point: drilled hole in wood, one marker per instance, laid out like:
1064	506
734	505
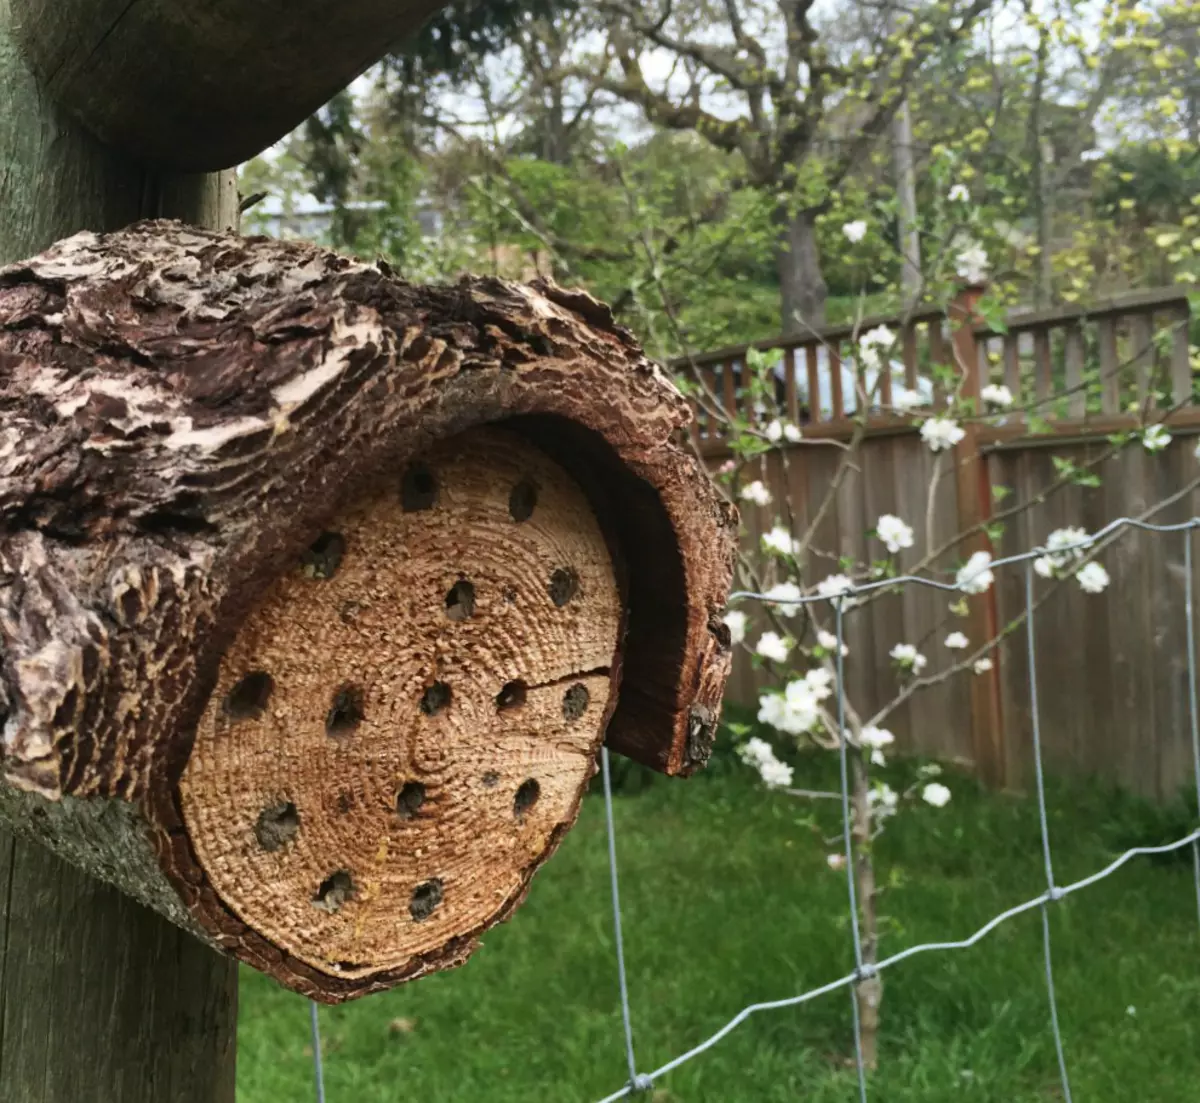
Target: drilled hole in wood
522	501
575	701
460	600
564	585
425	898
511	695
435	698
491	779
324	557
276	826
409	799
334	891
345	713
248	698
418	488
527	794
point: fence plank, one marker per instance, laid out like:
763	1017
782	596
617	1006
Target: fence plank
910	356
814	383
1181	367
1043	370
729	388
1110	375
1076	395
790	398
1141	329
1012	367
835	383
938	355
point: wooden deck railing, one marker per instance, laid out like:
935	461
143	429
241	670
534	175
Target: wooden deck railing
1080	368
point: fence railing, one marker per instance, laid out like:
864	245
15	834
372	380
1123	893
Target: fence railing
1080	367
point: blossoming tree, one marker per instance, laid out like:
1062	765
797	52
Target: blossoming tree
802	647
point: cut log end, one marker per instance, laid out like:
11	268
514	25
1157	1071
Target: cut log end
398	739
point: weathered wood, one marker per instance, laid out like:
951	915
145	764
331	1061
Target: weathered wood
1073	354
197	87
201	406
100	998
974	508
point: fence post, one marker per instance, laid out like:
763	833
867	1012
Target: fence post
974	495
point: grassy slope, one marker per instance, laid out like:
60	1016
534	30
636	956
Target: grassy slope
727	900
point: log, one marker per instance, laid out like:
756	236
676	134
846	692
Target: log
319	590
196	87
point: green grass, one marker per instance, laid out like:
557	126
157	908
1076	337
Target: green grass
727	901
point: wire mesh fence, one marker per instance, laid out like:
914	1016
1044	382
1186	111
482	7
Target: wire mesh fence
640	1081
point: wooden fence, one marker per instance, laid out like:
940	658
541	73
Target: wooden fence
1112	668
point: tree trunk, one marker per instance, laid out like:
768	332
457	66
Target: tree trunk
1040	160
802	290
869	992
908	229
100	998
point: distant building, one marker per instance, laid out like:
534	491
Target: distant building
308	219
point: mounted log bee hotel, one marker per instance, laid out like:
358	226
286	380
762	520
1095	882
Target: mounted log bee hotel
319	591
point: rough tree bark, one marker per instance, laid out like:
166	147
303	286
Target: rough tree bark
908	230
802	290
220	486
100	998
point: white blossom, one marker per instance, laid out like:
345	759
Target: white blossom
941	433
975	576
1155	438
1092	155
982	666
837	584
735	621
788	593
972	263
774	431
828	641
956	641
876	739
1092	578
880	337
936	793
883	800
761	755
798	708
959	194
836	862
779	540
907	656
894	533
996	394
905	400
855	231
1061	551
791	432
757	493
771	645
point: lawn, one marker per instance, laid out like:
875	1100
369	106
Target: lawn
727	901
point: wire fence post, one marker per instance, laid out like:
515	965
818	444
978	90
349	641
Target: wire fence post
1193	710
1052	891
848	841
314	1023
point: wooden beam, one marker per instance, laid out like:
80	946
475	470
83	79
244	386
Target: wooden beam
100	998
201	86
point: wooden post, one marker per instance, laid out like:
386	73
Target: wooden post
974	508
100	998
